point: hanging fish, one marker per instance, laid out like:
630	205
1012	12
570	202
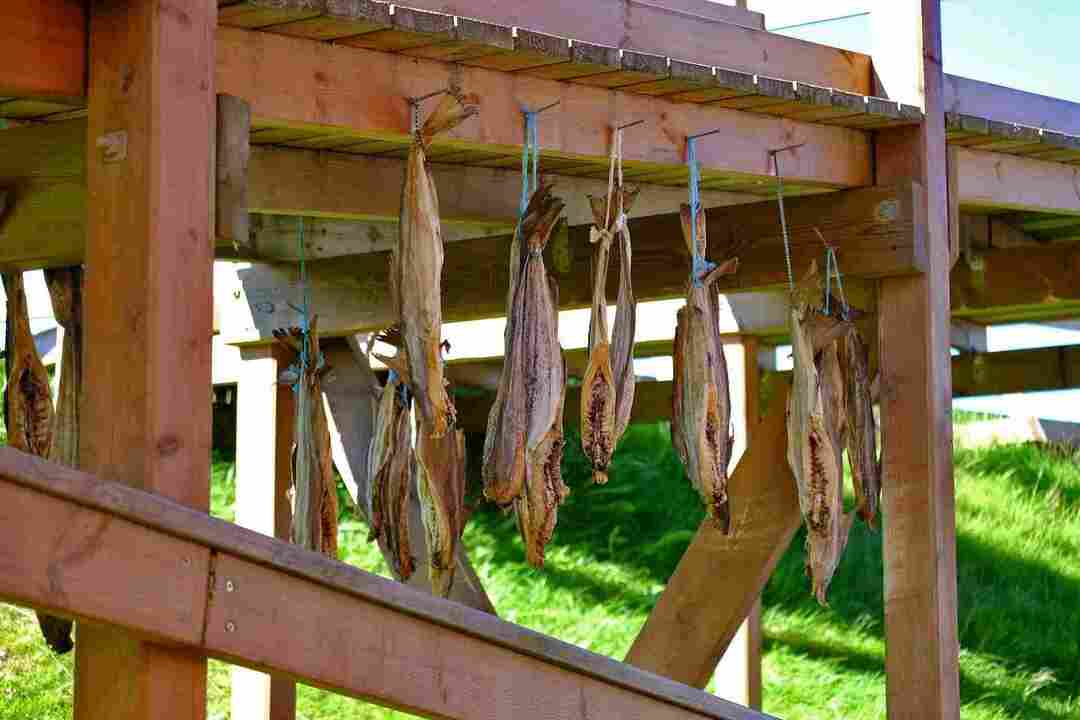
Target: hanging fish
390	463
816	418
532	383
861	425
523	449
32	426
416	270
701	404
315	511
441	485
607	389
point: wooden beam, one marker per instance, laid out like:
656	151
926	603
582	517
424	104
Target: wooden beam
233	151
702	32
921	659
350	400
1017	283
872	227
1015	371
430	657
148	325
362	92
265	423
692	623
43	52
995	181
965	96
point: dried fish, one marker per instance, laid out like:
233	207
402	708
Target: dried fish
417	267
533	382
816	419
28	398
315	512
32	426
440	483
65	290
607	389
390	464
701	405
861	425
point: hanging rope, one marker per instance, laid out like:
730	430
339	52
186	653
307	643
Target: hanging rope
530	164
783	217
700	266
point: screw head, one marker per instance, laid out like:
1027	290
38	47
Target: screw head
229	586
230	626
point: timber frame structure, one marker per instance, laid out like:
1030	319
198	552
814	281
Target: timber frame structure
143	139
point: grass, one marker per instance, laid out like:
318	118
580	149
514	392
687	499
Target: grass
1018	548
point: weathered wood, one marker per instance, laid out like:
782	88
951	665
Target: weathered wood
438	659
363	90
1017	283
1013	371
982	99
44	49
872	228
921	658
350	396
233	156
265	423
994	181
148	325
693	622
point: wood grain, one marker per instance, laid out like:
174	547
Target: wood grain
43	54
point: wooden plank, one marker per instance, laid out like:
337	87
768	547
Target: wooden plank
995	102
43	53
365	90
921	658
1033	281
1014	371
994	181
350	401
679	29
265	421
871	227
437	658
336	19
149	170
233	151
692	624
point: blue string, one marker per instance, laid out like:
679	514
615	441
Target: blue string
531	148
700	267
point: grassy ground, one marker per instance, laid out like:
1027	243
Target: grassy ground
1018	514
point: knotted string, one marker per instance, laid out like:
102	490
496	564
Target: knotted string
700	267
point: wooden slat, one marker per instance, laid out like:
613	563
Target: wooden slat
43	53
994	181
981	99
918	505
336	19
365	91
1015	371
147	419
692	624
872	228
233	151
432	657
1017	282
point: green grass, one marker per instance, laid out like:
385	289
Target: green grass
1018	548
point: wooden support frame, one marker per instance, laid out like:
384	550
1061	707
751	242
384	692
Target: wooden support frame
216	588
265	410
147	355
43	55
918	504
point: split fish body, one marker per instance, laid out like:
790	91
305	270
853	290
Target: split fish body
417	265
861	426
701	405
607	389
440	484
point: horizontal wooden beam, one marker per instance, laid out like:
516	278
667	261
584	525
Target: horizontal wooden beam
872	228
1017	284
360	95
990	181
965	96
1015	371
43	49
234	594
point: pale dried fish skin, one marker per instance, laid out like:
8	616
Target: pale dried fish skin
440	484
28	397
701	406
417	264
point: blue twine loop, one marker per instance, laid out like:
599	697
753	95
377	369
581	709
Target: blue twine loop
832	267
305	303
700	267
530	152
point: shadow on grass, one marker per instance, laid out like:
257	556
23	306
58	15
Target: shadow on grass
1018	612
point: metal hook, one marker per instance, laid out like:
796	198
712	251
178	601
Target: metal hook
546	107
422	98
776	151
629	125
704	134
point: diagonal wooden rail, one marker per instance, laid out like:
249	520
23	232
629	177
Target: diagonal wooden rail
106	552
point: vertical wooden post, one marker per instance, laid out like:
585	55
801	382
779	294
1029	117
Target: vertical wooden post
148	312
914	333
265	425
738	676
